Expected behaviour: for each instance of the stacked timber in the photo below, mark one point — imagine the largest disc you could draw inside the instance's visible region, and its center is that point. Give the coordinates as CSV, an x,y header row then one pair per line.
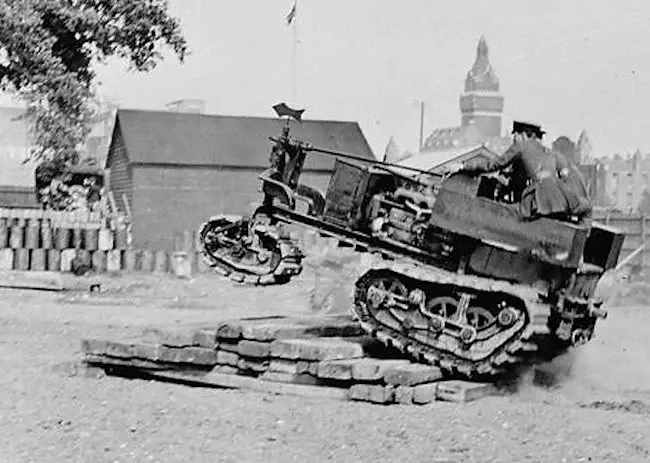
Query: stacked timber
x,y
316,356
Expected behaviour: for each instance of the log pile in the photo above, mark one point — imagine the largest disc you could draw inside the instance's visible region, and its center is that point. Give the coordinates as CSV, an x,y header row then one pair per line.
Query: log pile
x,y
314,356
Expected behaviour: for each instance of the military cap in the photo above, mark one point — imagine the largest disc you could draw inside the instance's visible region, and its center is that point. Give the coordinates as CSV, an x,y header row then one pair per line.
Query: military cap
x,y
525,127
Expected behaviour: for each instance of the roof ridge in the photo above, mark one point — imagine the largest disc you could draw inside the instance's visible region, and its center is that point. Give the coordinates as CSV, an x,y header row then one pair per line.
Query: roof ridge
x,y
199,139
232,116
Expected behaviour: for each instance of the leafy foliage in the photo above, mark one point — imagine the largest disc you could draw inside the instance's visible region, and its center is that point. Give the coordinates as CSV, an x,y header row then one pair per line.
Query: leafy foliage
x,y
47,52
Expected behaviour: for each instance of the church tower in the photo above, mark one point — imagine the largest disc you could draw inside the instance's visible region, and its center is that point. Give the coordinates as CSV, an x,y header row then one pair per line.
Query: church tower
x,y
482,104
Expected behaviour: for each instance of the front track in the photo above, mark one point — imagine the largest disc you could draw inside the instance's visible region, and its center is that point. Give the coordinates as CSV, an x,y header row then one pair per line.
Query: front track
x,y
252,251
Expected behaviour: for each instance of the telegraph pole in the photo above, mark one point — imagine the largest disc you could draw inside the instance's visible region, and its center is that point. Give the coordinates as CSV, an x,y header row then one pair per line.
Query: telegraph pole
x,y
421,126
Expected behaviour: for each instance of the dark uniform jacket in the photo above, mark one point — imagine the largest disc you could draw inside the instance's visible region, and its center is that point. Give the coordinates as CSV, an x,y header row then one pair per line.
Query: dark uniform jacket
x,y
574,186
543,195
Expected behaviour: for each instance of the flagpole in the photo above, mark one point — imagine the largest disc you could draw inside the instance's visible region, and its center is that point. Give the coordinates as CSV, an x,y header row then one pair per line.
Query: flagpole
x,y
294,57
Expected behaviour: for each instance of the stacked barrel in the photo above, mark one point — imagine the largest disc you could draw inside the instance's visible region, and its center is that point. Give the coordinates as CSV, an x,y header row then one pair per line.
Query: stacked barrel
x,y
36,240
49,240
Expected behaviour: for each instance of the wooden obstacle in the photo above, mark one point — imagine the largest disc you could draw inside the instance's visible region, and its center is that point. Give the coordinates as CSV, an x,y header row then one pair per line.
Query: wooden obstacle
x,y
308,356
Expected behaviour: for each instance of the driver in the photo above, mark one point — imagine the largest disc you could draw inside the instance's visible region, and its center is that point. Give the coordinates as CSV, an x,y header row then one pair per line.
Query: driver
x,y
539,189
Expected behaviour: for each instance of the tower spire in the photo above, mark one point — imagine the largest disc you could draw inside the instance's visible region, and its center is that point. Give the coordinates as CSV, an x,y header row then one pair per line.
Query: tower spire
x,y
482,104
482,76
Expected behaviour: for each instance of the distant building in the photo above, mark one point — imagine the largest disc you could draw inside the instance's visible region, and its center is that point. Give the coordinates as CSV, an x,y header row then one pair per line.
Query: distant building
x,y
626,180
435,161
16,177
584,149
17,181
178,169
392,152
481,108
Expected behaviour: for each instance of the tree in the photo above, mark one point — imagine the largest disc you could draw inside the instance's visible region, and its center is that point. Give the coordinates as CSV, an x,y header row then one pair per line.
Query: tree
x,y
47,52
567,147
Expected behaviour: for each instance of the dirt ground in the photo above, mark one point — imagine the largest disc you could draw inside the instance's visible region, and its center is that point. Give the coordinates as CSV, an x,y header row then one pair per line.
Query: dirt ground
x,y
595,405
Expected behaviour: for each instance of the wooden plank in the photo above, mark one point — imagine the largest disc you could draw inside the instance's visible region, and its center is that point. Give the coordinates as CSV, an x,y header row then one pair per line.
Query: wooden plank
x,y
404,395
425,393
293,378
139,365
252,364
277,327
169,336
254,384
463,391
378,393
316,349
412,375
256,349
47,281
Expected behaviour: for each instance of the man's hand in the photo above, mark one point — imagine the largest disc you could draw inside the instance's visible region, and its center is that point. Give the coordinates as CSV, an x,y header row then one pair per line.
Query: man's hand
x,y
452,168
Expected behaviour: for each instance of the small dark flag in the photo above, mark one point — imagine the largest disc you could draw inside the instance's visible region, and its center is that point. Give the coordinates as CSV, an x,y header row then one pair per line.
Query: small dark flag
x,y
283,110
292,14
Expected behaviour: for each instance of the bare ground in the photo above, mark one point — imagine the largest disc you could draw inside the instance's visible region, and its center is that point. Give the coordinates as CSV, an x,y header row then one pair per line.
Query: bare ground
x,y
595,405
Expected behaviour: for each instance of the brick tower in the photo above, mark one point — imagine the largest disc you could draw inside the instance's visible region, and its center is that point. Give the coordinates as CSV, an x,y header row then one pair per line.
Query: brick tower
x,y
482,104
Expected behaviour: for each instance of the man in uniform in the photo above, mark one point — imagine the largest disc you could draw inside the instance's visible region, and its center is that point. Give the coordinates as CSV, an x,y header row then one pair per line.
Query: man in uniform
x,y
574,187
540,187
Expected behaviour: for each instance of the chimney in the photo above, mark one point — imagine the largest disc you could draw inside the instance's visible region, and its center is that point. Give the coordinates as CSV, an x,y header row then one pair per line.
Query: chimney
x,y
187,105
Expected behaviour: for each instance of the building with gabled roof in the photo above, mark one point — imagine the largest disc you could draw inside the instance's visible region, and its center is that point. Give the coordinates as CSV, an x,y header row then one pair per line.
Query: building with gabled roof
x,y
16,177
434,161
584,149
176,169
392,152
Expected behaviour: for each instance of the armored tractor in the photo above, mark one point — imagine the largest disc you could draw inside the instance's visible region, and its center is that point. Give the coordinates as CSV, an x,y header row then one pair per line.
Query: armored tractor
x,y
456,278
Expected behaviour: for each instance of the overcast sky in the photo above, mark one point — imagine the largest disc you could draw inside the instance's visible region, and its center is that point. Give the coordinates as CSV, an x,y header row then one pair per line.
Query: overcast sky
x,y
568,65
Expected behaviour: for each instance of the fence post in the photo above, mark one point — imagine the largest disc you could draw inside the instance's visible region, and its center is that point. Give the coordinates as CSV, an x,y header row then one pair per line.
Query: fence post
x,y
643,239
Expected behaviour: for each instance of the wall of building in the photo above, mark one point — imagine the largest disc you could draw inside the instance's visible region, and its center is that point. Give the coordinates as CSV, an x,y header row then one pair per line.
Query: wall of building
x,y
484,111
170,199
626,180
18,197
119,176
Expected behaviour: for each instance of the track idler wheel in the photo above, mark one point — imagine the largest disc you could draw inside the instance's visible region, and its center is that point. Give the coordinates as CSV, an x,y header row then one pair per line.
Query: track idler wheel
x,y
506,317
436,323
468,334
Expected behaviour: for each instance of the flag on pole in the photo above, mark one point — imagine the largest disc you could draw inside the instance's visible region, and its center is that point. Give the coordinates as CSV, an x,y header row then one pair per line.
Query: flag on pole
x,y
292,13
283,110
